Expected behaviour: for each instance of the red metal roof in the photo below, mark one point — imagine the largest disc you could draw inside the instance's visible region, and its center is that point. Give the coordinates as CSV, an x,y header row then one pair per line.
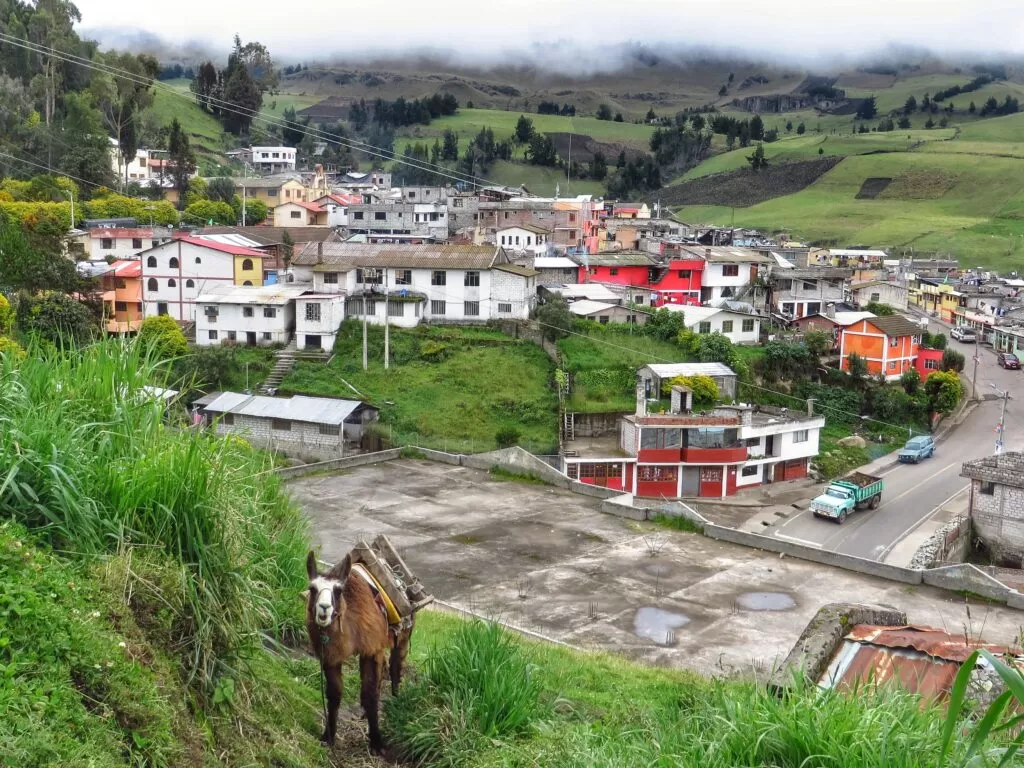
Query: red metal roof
x,y
308,206
127,268
922,660
120,233
235,250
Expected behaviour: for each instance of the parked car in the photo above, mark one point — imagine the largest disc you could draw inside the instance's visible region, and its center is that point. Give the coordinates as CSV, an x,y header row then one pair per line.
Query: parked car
x,y
1008,360
917,448
966,335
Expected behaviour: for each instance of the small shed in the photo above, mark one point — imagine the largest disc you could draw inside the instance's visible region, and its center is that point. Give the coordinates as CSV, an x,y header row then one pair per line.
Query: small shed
x,y
654,374
604,313
317,423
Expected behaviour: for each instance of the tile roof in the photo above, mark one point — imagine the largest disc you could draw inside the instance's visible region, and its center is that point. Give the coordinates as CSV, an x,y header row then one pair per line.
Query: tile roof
x,y
313,207
722,254
515,269
402,256
896,325
618,259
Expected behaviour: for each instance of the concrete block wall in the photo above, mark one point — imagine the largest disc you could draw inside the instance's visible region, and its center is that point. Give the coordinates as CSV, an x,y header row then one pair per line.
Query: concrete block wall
x,y
966,577
999,520
334,464
301,435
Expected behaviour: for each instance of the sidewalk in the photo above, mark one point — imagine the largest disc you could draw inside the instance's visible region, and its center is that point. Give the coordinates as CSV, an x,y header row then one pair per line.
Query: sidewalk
x,y
903,552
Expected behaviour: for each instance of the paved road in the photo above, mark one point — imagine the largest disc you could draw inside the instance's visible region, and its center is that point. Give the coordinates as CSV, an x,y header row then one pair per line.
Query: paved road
x,y
913,492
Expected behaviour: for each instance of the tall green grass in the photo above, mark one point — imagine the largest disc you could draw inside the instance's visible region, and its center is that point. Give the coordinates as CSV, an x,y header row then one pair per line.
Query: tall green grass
x,y
87,461
562,708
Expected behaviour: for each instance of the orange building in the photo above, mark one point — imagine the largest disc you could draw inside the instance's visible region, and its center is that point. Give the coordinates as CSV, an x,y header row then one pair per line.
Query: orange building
x,y
889,345
122,297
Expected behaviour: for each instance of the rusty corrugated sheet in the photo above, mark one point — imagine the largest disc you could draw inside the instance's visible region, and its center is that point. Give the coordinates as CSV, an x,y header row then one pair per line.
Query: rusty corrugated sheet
x,y
927,640
915,672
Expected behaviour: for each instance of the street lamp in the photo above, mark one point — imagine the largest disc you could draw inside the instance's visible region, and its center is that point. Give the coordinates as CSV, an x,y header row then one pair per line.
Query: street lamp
x,y
1002,417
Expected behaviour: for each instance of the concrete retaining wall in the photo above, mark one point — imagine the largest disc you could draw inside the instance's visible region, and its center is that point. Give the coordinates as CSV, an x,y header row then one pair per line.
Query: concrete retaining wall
x,y
440,456
772,544
596,424
964,577
345,463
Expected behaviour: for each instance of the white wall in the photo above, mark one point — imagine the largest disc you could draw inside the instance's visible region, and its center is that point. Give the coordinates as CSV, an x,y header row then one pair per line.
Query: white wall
x,y
230,319
123,247
713,277
737,334
332,314
283,216
285,158
261,431
518,238
189,277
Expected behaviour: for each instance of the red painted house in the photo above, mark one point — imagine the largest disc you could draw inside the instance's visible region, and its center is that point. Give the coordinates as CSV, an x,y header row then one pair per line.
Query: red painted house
x,y
680,283
619,267
928,362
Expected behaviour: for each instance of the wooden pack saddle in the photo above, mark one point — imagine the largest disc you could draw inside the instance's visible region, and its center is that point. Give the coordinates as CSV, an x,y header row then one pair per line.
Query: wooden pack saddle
x,y
396,587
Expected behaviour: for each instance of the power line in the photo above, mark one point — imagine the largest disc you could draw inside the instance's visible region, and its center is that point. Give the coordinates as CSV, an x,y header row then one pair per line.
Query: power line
x,y
255,116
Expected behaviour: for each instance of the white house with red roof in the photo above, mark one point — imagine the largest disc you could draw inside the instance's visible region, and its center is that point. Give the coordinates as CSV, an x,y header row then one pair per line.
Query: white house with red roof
x,y
337,206
176,272
103,243
299,213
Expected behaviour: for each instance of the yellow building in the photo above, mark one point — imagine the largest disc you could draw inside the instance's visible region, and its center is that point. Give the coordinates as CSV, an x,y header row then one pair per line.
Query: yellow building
x,y
248,269
273,190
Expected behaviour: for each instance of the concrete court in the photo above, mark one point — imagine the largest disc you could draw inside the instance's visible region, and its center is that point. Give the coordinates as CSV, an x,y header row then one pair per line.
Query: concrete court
x,y
547,560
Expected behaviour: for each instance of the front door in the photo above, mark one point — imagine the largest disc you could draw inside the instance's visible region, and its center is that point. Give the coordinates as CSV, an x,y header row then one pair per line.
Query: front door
x,y
250,338
312,341
691,481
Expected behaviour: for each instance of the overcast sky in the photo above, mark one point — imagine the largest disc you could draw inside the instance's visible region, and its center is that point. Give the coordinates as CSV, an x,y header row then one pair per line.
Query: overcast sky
x,y
796,28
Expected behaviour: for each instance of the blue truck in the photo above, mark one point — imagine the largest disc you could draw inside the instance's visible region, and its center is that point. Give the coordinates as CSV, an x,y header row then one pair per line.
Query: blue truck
x,y
855,491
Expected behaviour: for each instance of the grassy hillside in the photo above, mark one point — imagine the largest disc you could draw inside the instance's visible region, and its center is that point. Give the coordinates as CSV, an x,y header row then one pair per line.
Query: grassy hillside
x,y
448,388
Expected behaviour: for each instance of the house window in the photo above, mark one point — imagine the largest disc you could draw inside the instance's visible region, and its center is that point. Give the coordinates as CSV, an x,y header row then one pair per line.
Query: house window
x,y
281,425
988,488
190,283
380,216
313,312
396,309
504,309
638,299
684,274
730,270
232,336
810,285
270,311
438,277
296,214
369,275
330,429
403,277
932,365
212,335
151,261
503,240
173,263
749,471
801,436
107,243
613,271
120,306
357,215
506,214
471,308
876,297
371,307
787,308
172,283
330,278
572,234
247,265
727,326
892,365
748,326
437,307
657,474
246,311
119,283
137,243
266,336
161,308
704,327
472,279
198,260
517,239
457,202
572,218
228,419
603,319
894,341
273,192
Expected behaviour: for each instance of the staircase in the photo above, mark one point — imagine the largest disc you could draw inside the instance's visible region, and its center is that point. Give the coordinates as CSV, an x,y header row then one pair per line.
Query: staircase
x,y
568,426
285,362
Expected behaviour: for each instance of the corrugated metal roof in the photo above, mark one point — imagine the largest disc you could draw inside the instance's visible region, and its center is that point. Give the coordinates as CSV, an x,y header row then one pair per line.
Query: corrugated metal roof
x,y
896,325
276,293
588,307
515,269
922,660
235,250
594,291
312,410
618,259
669,370
402,256
554,262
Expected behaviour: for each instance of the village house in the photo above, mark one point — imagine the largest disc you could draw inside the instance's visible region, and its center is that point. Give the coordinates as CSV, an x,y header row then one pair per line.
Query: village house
x,y
528,237
831,321
99,243
889,345
406,284
555,270
880,292
681,454
575,291
996,505
654,376
618,235
738,327
272,190
846,257
316,425
122,297
604,313
336,206
571,221
299,213
271,160
359,181
269,240
633,268
1009,338
425,220
249,315
176,272
680,283
805,291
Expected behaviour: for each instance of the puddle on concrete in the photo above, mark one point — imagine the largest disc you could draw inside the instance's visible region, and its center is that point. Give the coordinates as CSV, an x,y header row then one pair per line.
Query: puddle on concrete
x,y
766,601
657,625
657,570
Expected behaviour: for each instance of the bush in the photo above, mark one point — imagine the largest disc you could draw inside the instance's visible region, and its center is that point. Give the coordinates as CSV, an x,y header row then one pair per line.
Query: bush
x,y
880,309
204,212
163,335
9,346
704,388
818,343
55,318
506,437
555,318
952,360
433,351
6,316
664,324
944,390
716,348
910,381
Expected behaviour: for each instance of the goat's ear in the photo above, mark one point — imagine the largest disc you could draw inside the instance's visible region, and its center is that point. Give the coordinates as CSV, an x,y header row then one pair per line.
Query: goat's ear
x,y
341,569
311,569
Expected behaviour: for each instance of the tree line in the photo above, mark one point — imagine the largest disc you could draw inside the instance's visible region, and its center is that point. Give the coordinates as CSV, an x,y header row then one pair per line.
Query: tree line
x,y
235,94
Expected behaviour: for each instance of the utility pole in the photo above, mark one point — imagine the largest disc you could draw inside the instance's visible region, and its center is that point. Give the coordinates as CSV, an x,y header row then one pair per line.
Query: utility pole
x,y
245,170
387,322
365,361
999,429
974,377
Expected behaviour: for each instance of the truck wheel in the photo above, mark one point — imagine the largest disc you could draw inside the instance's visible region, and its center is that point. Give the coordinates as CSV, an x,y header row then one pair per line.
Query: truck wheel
x,y
842,517
876,500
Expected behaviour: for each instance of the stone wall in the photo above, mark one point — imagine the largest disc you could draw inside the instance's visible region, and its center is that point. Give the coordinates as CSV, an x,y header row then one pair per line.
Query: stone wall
x,y
999,520
596,424
949,544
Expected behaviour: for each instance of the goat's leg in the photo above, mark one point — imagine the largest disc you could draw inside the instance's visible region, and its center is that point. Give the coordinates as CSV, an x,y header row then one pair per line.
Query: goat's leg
x,y
370,675
334,688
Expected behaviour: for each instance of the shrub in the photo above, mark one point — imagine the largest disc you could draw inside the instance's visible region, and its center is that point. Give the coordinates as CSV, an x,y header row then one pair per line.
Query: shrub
x,y
716,348
6,316
704,388
944,390
163,335
880,309
433,351
555,318
204,212
9,346
818,343
910,381
506,437
952,360
55,318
